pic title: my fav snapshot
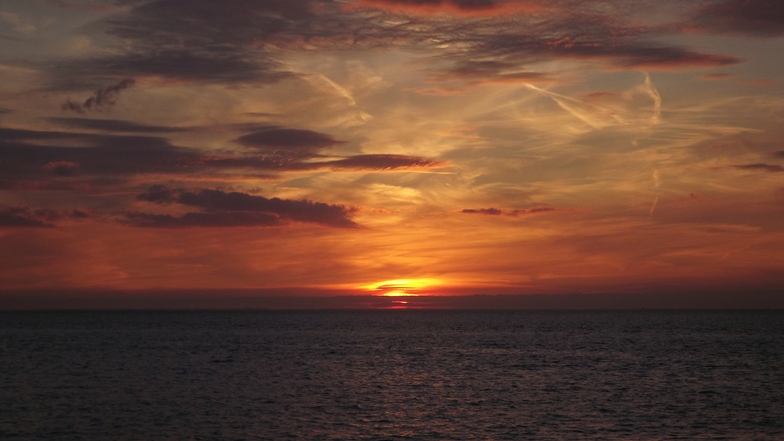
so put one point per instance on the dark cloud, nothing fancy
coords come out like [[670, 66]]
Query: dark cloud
[[489, 211], [243, 41], [11, 217], [21, 217], [214, 219], [281, 162], [381, 162], [779, 154], [466, 7], [4, 111], [113, 125], [62, 168], [65, 184], [236, 202], [763, 18], [32, 154], [516, 212], [288, 143], [186, 65], [101, 99], [196, 40], [22, 153], [760, 167], [158, 193], [462, 4], [516, 50]]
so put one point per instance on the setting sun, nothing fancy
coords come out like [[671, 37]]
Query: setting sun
[[402, 287]]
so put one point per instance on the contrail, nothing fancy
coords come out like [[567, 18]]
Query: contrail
[[339, 89], [572, 105], [651, 91], [653, 207]]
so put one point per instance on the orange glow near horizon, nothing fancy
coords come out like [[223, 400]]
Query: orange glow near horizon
[[402, 287]]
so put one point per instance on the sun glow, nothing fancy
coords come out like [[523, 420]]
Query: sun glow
[[402, 287]]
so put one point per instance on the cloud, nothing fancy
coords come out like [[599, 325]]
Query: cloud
[[290, 143], [488, 211], [760, 18], [27, 153], [517, 49], [33, 153], [185, 65], [715, 76], [62, 168], [514, 213], [195, 41], [236, 202], [113, 125], [158, 193], [246, 41], [760, 167], [466, 8], [204, 220], [21, 217], [90, 7], [101, 99], [382, 162], [16, 217]]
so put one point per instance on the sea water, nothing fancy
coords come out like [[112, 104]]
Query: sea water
[[392, 374]]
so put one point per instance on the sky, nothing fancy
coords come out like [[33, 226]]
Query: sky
[[392, 147]]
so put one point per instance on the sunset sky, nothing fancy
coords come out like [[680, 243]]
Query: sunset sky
[[449, 147]]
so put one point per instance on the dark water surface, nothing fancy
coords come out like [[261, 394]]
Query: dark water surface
[[377, 375]]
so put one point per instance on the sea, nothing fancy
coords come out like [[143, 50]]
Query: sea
[[391, 375]]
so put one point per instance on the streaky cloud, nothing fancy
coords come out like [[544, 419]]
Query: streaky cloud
[[203, 220], [26, 217], [771, 168], [236, 202], [289, 139], [382, 162], [113, 125], [492, 211]]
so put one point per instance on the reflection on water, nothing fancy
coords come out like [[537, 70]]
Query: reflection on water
[[392, 374]]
